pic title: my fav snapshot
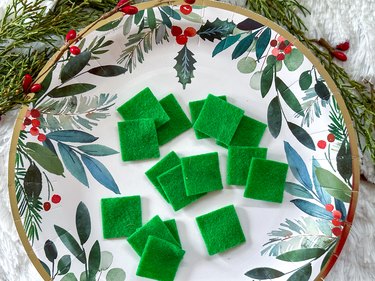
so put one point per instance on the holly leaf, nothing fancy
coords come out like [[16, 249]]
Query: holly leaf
[[301, 255], [249, 24], [70, 90], [274, 117], [264, 273], [74, 66], [216, 29], [301, 135], [185, 66], [288, 96], [108, 70]]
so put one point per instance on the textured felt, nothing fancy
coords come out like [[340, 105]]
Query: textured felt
[[195, 109], [238, 162], [172, 226], [155, 227], [138, 139], [168, 162], [249, 132], [173, 185], [266, 180], [144, 105], [121, 216], [178, 122], [201, 173], [219, 119], [221, 230], [160, 260]]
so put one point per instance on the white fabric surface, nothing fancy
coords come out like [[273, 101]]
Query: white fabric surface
[[335, 20]]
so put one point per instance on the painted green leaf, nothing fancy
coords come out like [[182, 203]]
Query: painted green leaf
[[70, 243], [249, 24], [107, 70], [305, 80], [255, 80], [69, 277], [46, 83], [165, 18], [225, 44], [271, 60], [97, 150], [293, 60], [193, 17], [297, 190], [185, 66], [274, 117], [46, 268], [64, 264], [127, 25], [322, 90], [264, 273], [301, 255], [151, 20], [83, 223], [266, 80], [216, 29], [344, 161], [301, 135], [243, 45], [115, 274], [312, 209], [263, 42], [94, 260], [110, 25], [70, 90], [74, 66], [71, 136], [326, 258], [160, 34], [139, 16], [333, 185], [45, 158], [50, 250], [302, 274], [170, 12], [32, 182], [288, 96], [105, 260], [246, 65]]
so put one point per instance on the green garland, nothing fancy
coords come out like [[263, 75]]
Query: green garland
[[26, 24]]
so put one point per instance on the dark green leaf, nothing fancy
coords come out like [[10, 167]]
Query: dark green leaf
[[266, 80], [70, 90], [115, 274], [69, 277], [225, 43], [74, 66], [170, 12], [165, 18], [274, 117], [83, 223], [46, 268], [333, 185], [32, 182], [107, 70], [46, 83], [151, 20], [185, 66], [264, 273], [312, 209], [45, 158], [94, 260], [288, 96], [63, 265], [340, 206], [301, 255], [216, 29], [243, 45], [97, 150], [50, 250], [297, 190], [263, 42], [71, 244], [106, 260], [47, 143], [344, 161], [305, 80], [302, 274], [139, 16], [71, 136], [249, 24], [301, 135], [322, 90], [110, 25], [326, 258], [293, 60], [73, 163]]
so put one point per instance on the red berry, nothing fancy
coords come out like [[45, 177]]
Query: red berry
[[190, 31], [176, 30], [42, 137], [337, 231], [27, 121], [186, 9], [343, 46], [288, 49], [282, 46], [339, 55], [329, 207], [27, 80], [34, 113], [56, 199], [280, 57], [72, 34], [129, 10], [47, 206], [35, 123], [191, 2], [34, 131], [337, 214], [75, 50], [35, 88], [122, 3], [273, 43], [331, 137], [181, 39], [322, 144], [336, 222]]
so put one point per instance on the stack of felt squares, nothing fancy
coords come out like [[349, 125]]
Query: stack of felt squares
[[183, 181]]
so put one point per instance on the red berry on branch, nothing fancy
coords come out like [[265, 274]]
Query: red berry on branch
[[27, 121], [47, 206], [280, 57], [186, 9], [337, 231], [336, 222], [176, 30], [56, 199], [331, 137], [273, 43], [75, 50], [35, 88], [322, 144], [34, 131], [288, 49], [190, 31], [122, 3], [130, 10], [191, 2], [72, 34], [34, 113], [35, 123], [339, 55], [181, 39], [27, 80], [329, 207], [282, 46], [343, 46], [42, 137], [337, 214]]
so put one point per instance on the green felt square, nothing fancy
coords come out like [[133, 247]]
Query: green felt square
[[201, 173], [170, 161], [121, 216], [160, 260], [266, 180], [173, 185], [221, 230], [172, 226], [144, 105], [178, 122], [219, 119], [138, 139], [238, 162], [195, 109], [155, 227], [248, 133]]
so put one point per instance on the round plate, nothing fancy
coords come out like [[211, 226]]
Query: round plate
[[70, 159]]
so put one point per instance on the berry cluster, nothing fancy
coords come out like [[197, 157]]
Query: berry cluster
[[322, 143], [71, 35], [31, 119], [281, 47], [337, 223], [338, 53], [182, 37], [55, 199], [187, 9], [125, 7], [28, 86]]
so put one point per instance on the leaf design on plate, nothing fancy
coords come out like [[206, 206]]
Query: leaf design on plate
[[165, 18], [326, 258], [312, 209], [324, 197], [185, 66], [97, 150], [94, 260], [344, 161], [288, 96], [107, 70], [45, 158], [266, 80], [50, 250], [64, 264], [111, 25], [32, 183], [83, 223], [47, 143], [225, 44], [274, 117], [216, 29], [305, 80], [301, 255], [263, 42], [151, 20], [294, 60], [46, 83], [70, 243], [340, 206], [249, 24], [243, 45], [105, 260], [115, 274], [170, 12], [46, 268], [297, 190], [70, 90], [127, 25], [302, 274], [69, 277], [71, 136], [264, 273], [193, 17], [322, 90], [74, 66], [301, 135], [138, 17]]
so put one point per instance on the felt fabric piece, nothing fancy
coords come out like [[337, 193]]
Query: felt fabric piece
[[155, 227], [173, 185], [144, 105], [170, 161], [219, 119], [238, 163], [160, 260], [248, 133], [172, 226], [138, 139], [121, 216], [195, 109], [221, 230], [201, 173], [178, 122], [266, 180]]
